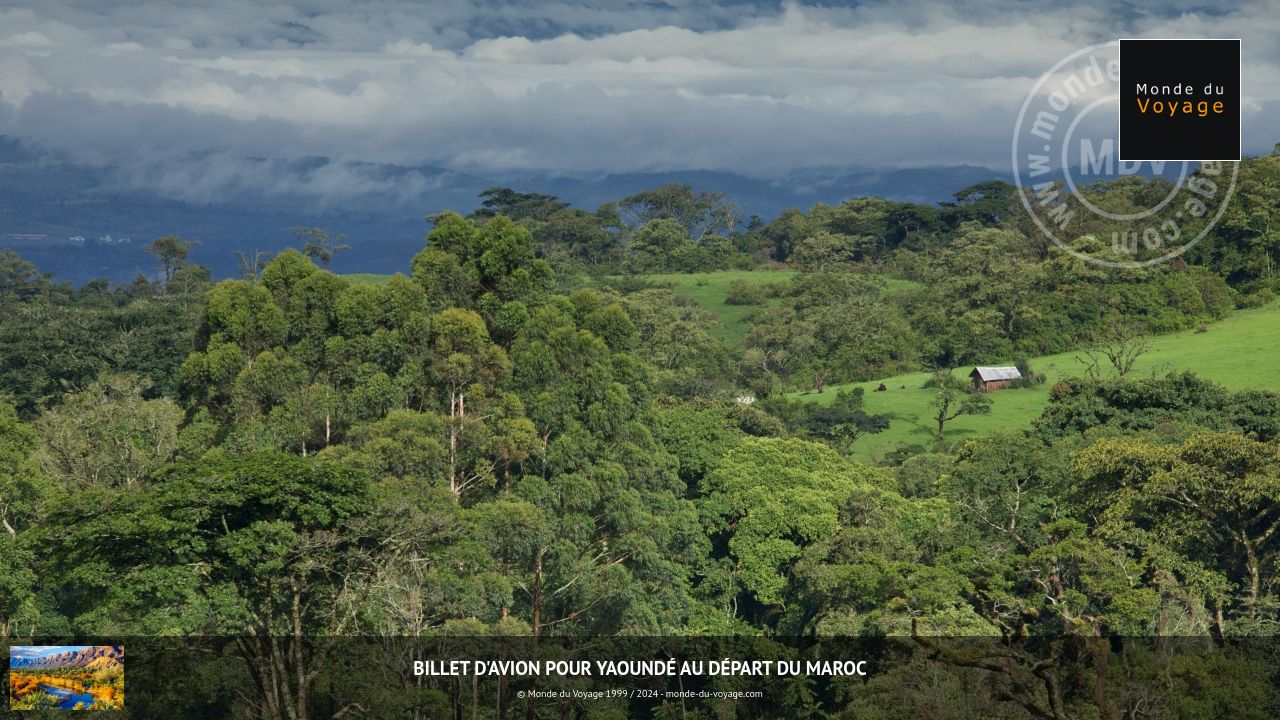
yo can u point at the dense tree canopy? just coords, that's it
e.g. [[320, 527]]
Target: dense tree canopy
[[523, 437]]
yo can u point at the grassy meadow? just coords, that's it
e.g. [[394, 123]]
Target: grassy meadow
[[369, 278], [710, 289], [1242, 351]]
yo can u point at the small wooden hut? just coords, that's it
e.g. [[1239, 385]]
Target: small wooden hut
[[986, 379]]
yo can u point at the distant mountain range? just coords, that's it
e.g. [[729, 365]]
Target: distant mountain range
[[82, 221], [93, 657]]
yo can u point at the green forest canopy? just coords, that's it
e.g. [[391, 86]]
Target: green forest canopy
[[524, 435]]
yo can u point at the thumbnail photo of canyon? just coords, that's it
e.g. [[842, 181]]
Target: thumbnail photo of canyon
[[67, 677]]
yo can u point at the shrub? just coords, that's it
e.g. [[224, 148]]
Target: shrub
[[743, 293], [1030, 378], [1255, 299], [953, 381]]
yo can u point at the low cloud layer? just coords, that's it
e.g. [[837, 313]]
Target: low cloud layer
[[755, 88]]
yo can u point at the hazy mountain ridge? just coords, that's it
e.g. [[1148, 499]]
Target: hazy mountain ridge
[[98, 656], [81, 221]]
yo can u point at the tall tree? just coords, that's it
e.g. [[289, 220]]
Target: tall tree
[[465, 265], [698, 212], [19, 279], [953, 401], [1212, 502], [171, 251], [109, 435], [517, 205], [268, 548], [769, 498], [246, 314], [1122, 342], [23, 487], [318, 244], [467, 364]]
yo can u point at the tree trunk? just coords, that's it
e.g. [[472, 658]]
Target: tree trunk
[[502, 697], [536, 599], [458, 713], [300, 671], [1251, 567], [1219, 633], [453, 448], [457, 412], [1100, 648]]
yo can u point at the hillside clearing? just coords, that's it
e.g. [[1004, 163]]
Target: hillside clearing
[[369, 278], [1238, 352], [709, 290]]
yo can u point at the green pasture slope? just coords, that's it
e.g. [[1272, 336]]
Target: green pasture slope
[[369, 278], [1242, 351], [709, 289]]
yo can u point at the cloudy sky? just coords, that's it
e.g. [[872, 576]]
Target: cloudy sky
[[760, 88]]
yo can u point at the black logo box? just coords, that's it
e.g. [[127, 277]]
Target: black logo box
[[1187, 64]]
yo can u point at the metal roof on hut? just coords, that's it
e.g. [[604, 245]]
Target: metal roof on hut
[[996, 373]]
